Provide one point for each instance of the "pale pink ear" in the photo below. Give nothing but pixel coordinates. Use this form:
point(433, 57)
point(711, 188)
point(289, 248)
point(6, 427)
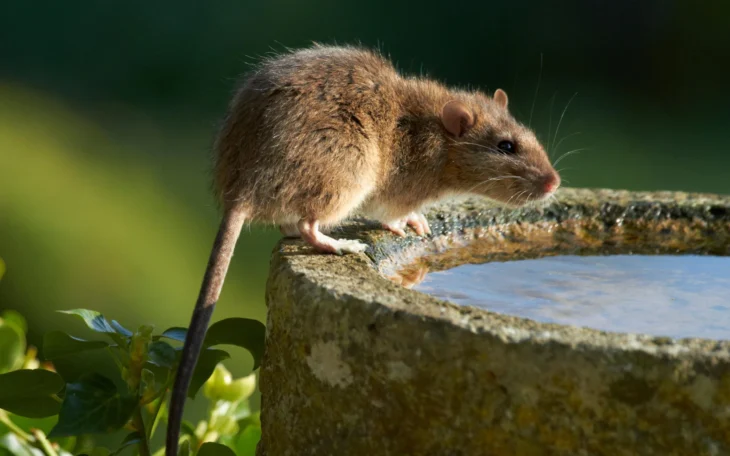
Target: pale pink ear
point(457, 118)
point(500, 97)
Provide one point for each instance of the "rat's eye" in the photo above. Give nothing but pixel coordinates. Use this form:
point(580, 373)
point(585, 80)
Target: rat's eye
point(507, 146)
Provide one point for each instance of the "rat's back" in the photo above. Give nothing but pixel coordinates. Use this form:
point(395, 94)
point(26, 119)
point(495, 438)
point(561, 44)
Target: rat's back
point(305, 133)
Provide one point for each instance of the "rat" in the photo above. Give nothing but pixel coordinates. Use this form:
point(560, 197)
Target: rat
point(315, 134)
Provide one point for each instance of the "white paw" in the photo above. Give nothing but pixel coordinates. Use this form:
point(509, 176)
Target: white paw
point(343, 246)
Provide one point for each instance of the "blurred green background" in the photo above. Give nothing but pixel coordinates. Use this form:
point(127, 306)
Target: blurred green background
point(108, 110)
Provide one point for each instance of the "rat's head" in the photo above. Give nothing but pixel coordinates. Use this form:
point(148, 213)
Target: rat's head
point(492, 154)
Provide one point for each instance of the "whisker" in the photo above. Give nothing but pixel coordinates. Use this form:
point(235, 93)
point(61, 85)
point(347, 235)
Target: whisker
point(493, 179)
point(537, 89)
point(507, 177)
point(568, 153)
point(550, 122)
point(469, 190)
point(549, 200)
point(557, 129)
point(555, 199)
point(566, 137)
point(516, 196)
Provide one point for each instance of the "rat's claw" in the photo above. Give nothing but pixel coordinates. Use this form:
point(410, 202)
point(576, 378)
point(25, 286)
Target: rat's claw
point(418, 222)
point(396, 227)
point(415, 220)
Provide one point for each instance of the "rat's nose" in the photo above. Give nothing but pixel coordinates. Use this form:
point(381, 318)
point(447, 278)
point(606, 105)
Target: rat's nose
point(551, 182)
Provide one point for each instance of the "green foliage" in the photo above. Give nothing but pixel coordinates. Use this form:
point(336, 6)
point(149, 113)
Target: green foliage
point(177, 334)
point(215, 449)
point(134, 399)
point(162, 354)
point(134, 438)
point(14, 318)
point(12, 340)
point(31, 392)
point(207, 362)
point(57, 344)
point(243, 332)
point(93, 405)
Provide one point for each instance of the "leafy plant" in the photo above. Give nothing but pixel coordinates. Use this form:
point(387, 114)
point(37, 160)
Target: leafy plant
point(133, 400)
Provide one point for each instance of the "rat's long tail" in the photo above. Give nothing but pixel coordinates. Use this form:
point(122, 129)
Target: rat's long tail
point(215, 274)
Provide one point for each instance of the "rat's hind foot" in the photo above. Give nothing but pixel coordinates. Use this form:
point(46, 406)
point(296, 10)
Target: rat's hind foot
point(322, 243)
point(415, 220)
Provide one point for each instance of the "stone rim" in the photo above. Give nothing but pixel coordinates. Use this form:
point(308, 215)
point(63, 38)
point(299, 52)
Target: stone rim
point(367, 284)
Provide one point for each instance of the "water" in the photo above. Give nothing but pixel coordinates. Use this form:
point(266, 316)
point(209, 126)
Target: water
point(663, 295)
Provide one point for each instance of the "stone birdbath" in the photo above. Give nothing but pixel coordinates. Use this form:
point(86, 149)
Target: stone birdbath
point(358, 364)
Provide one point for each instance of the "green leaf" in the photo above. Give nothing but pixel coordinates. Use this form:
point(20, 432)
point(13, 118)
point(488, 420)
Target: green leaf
point(215, 449)
point(187, 432)
point(93, 405)
point(42, 424)
point(58, 343)
point(12, 346)
point(15, 318)
point(187, 428)
point(121, 329)
point(177, 334)
point(133, 438)
point(184, 449)
point(204, 369)
point(253, 419)
point(247, 441)
point(241, 412)
point(93, 320)
point(242, 332)
point(161, 354)
point(66, 443)
point(85, 444)
point(29, 392)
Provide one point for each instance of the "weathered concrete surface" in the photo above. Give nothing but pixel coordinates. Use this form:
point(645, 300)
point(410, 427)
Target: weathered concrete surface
point(357, 365)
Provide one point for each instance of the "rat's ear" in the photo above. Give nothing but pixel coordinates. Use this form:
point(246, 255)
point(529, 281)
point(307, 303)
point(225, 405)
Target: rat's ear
point(500, 97)
point(457, 118)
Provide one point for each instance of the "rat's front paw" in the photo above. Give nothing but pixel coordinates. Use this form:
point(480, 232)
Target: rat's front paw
point(415, 220)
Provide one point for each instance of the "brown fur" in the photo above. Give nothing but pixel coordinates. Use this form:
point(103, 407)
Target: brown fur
point(321, 132)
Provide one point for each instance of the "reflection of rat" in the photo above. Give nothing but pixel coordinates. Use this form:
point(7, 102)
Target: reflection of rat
point(314, 135)
point(411, 275)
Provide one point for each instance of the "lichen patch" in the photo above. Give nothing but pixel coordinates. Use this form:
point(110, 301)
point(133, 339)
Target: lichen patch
point(325, 362)
point(399, 371)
